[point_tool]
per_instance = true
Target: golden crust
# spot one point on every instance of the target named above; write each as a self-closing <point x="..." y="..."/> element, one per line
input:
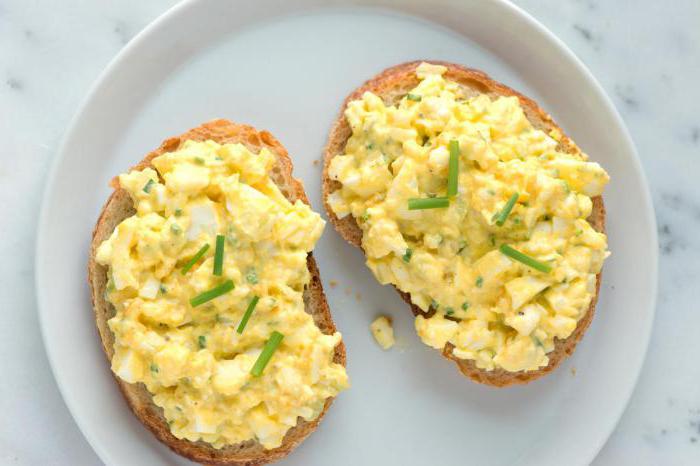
<point x="118" y="207"/>
<point x="391" y="85"/>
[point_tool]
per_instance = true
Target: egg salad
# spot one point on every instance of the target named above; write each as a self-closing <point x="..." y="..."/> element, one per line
<point x="383" y="332"/>
<point x="474" y="212"/>
<point x="207" y="280"/>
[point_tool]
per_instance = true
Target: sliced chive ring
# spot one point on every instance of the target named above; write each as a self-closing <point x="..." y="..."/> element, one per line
<point x="215" y="292"/>
<point x="505" y="212"/>
<point x="247" y="314"/>
<point x="147" y="187"/>
<point x="428" y="203"/>
<point x="219" y="255"/>
<point x="414" y="97"/>
<point x="270" y="347"/>
<point x="525" y="259"/>
<point x="453" y="174"/>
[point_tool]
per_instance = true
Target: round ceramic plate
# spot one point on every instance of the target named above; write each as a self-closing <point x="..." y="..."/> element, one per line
<point x="286" y="66"/>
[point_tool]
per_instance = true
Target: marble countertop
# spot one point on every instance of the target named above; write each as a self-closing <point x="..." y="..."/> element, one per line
<point x="645" y="54"/>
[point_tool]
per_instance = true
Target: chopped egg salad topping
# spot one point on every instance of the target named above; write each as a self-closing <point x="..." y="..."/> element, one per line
<point x="207" y="281"/>
<point x="475" y="213"/>
<point x="383" y="332"/>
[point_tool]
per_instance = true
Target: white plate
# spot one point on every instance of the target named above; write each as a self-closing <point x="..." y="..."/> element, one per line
<point x="286" y="66"/>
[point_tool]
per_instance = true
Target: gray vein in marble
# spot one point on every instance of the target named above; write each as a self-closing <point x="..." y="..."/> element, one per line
<point x="681" y="204"/>
<point x="626" y="94"/>
<point x="589" y="36"/>
<point x="123" y="33"/>
<point x="589" y="4"/>
<point x="15" y="84"/>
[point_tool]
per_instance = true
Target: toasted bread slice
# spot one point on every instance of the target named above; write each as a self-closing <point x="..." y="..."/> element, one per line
<point x="118" y="207"/>
<point x="392" y="85"/>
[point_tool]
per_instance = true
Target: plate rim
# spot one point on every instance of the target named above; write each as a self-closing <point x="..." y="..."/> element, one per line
<point x="179" y="8"/>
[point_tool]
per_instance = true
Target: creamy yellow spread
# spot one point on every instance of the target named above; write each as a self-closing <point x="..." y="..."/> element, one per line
<point x="192" y="359"/>
<point x="495" y="310"/>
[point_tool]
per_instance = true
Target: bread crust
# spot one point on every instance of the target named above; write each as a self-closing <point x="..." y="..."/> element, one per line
<point x="391" y="85"/>
<point x="120" y="206"/>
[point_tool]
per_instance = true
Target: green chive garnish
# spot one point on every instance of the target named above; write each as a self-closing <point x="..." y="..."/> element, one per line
<point x="154" y="368"/>
<point x="202" y="341"/>
<point x="428" y="203"/>
<point x="248" y="313"/>
<point x="414" y="97"/>
<point x="272" y="343"/>
<point x="194" y="259"/>
<point x="251" y="276"/>
<point x="147" y="188"/>
<point x="465" y="305"/>
<point x="178" y="212"/>
<point x="503" y="214"/>
<point x="524" y="258"/>
<point x="407" y="255"/>
<point x="219" y="255"/>
<point x="453" y="174"/>
<point x="479" y="281"/>
<point x="215" y="292"/>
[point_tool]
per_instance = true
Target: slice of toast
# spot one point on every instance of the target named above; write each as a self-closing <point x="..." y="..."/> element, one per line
<point x="120" y="206"/>
<point x="393" y="84"/>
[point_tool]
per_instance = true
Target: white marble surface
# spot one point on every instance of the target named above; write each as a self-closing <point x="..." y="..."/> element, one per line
<point x="646" y="55"/>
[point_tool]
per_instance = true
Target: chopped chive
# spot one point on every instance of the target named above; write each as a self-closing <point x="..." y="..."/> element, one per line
<point x="178" y="212"/>
<point x="465" y="305"/>
<point x="219" y="255"/>
<point x="479" y="281"/>
<point x="147" y="188"/>
<point x="407" y="255"/>
<point x="175" y="228"/>
<point x="248" y="313"/>
<point x="365" y="217"/>
<point x="199" y="160"/>
<point x="462" y="246"/>
<point x="525" y="259"/>
<point x="503" y="214"/>
<point x="195" y="258"/>
<point x="428" y="203"/>
<point x="449" y="311"/>
<point x="453" y="174"/>
<point x="251" y="276"/>
<point x="272" y="343"/>
<point x="492" y="239"/>
<point x="414" y="97"/>
<point x="163" y="289"/>
<point x="215" y="292"/>
<point x="202" y="341"/>
<point x="154" y="368"/>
